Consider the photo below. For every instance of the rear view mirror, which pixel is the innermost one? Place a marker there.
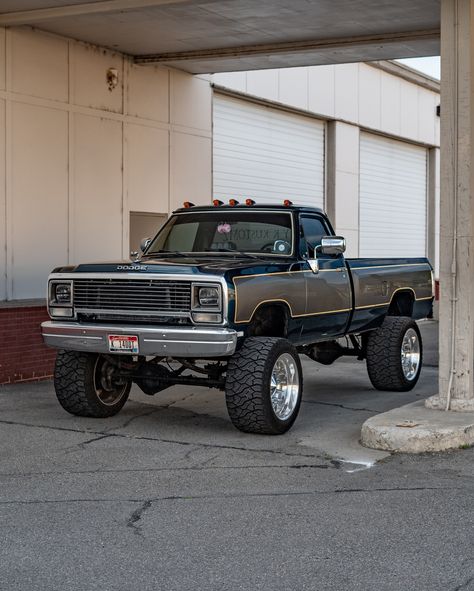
(333, 245)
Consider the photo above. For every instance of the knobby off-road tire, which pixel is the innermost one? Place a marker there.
(261, 366)
(385, 355)
(80, 391)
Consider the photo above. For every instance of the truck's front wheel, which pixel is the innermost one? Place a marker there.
(394, 354)
(264, 385)
(87, 385)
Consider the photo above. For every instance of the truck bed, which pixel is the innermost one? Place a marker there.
(377, 281)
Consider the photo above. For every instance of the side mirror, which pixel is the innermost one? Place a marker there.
(144, 244)
(333, 245)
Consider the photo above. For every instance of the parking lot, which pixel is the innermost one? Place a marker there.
(168, 495)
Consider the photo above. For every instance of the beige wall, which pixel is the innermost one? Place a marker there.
(76, 158)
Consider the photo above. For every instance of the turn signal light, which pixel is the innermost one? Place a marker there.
(188, 204)
(287, 203)
(249, 202)
(216, 203)
(233, 202)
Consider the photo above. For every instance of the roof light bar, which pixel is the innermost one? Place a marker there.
(233, 202)
(287, 203)
(217, 203)
(188, 204)
(249, 202)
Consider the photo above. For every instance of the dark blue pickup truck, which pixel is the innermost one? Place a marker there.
(229, 296)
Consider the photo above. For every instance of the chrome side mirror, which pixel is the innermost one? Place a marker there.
(333, 245)
(144, 244)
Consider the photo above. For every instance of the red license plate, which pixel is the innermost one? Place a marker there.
(123, 344)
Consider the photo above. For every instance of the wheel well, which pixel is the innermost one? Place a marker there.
(402, 304)
(269, 320)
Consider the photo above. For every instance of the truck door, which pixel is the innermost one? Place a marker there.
(328, 292)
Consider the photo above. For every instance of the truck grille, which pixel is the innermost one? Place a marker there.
(145, 297)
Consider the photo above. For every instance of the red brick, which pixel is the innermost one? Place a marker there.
(27, 358)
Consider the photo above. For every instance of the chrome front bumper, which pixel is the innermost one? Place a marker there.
(195, 342)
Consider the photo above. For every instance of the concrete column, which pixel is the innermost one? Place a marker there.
(456, 346)
(343, 182)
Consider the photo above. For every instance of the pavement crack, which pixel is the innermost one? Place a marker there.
(136, 517)
(163, 440)
(200, 467)
(93, 440)
(136, 417)
(342, 406)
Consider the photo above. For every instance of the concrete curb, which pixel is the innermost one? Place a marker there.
(413, 428)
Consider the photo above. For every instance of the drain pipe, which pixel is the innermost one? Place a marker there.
(454, 262)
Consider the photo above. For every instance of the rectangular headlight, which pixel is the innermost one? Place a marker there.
(207, 297)
(60, 293)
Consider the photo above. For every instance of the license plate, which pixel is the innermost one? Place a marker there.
(123, 344)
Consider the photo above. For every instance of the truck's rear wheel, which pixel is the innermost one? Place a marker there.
(264, 385)
(87, 385)
(395, 354)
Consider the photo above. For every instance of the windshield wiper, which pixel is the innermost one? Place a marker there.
(239, 252)
(174, 253)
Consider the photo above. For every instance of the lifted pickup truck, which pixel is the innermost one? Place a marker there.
(229, 296)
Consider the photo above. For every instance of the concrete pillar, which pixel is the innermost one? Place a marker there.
(456, 346)
(343, 182)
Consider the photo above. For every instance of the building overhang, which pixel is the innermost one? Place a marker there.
(205, 36)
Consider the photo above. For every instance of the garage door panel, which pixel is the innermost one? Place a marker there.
(266, 154)
(393, 186)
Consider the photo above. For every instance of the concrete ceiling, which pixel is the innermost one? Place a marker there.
(203, 36)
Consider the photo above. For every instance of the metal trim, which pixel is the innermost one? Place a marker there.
(193, 278)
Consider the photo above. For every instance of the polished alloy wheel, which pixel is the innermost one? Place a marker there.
(109, 387)
(284, 386)
(410, 354)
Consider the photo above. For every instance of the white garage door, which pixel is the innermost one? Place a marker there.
(393, 206)
(266, 154)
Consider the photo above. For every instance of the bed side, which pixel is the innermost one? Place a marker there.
(401, 287)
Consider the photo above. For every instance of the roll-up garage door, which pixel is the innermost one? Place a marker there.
(266, 154)
(393, 204)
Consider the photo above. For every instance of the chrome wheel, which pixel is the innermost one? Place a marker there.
(284, 386)
(410, 353)
(109, 387)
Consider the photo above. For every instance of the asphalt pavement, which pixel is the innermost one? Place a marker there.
(169, 496)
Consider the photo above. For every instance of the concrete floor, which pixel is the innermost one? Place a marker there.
(169, 496)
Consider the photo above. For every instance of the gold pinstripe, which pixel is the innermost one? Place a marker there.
(388, 266)
(281, 300)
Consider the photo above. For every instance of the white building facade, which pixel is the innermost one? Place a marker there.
(358, 140)
(96, 151)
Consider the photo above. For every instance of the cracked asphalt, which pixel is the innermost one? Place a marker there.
(169, 496)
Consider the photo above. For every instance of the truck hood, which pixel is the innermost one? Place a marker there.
(181, 266)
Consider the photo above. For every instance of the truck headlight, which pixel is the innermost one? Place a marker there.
(60, 293)
(208, 297)
(207, 303)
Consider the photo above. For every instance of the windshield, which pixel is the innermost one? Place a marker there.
(226, 231)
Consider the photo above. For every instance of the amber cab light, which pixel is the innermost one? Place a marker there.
(287, 203)
(188, 204)
(233, 202)
(249, 202)
(216, 203)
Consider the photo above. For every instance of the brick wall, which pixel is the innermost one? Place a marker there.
(23, 356)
